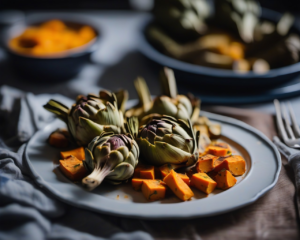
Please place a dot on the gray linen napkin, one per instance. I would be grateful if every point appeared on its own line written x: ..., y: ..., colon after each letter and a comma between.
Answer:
x: 26, y: 210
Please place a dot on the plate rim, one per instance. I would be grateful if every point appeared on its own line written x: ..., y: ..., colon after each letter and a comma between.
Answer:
x: 277, y: 159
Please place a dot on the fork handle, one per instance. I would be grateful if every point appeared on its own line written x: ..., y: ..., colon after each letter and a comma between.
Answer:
x: 295, y: 163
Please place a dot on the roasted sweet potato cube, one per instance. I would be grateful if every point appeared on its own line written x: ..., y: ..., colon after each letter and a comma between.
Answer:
x: 59, y: 140
x: 77, y: 152
x: 144, y: 172
x: 218, y: 151
x: 137, y: 183
x: 136, y: 173
x: 73, y: 168
x: 235, y: 164
x: 166, y: 168
x: 218, y: 161
x: 203, y: 182
x: 153, y: 190
x: 178, y: 186
x: 185, y: 178
x: 147, y: 173
x: 225, y: 179
x: 206, y: 163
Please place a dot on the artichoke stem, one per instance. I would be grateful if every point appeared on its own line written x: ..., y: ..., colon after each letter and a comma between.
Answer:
x: 95, y: 178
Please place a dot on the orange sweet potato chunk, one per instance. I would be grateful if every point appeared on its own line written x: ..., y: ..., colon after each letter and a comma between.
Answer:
x: 225, y: 179
x: 206, y: 163
x: 77, y: 152
x: 178, y: 186
x: 235, y: 164
x: 185, y: 178
x: 203, y: 182
x: 73, y: 168
x: 148, y: 173
x: 153, y: 190
x: 144, y: 172
x: 166, y: 168
x: 137, y: 183
x: 218, y: 151
x: 58, y: 140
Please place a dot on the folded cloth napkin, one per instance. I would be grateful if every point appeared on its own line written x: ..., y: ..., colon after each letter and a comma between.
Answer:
x: 29, y: 212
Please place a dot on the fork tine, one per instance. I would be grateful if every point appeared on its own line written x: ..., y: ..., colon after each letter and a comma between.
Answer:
x: 279, y: 120
x: 294, y: 122
x: 287, y: 122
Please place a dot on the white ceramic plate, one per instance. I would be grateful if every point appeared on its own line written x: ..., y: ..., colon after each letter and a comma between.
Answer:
x: 263, y: 167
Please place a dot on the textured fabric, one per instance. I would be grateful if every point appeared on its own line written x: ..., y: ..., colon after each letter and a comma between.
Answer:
x: 29, y: 212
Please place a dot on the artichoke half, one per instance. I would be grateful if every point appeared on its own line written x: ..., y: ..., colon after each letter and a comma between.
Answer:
x: 167, y: 140
x: 112, y: 157
x: 169, y: 103
x: 91, y: 115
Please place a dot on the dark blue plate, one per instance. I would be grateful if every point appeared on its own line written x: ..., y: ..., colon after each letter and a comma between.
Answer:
x: 202, y: 77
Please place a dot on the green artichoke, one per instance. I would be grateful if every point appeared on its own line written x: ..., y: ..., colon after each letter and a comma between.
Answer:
x: 91, y: 115
x: 182, y: 18
x: 167, y: 140
x: 241, y: 16
x: 169, y: 103
x: 112, y: 157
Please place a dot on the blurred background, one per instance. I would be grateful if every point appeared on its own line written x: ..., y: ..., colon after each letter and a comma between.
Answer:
x: 279, y: 5
x: 117, y: 60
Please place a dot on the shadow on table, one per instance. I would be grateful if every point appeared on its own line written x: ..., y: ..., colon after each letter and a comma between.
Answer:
x: 124, y: 72
x: 11, y: 77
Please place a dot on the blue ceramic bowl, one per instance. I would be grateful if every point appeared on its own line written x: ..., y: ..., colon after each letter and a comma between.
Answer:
x: 191, y: 74
x: 56, y: 67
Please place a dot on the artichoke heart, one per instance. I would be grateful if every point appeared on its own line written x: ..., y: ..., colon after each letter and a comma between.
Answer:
x: 91, y: 115
x: 112, y: 157
x: 165, y: 139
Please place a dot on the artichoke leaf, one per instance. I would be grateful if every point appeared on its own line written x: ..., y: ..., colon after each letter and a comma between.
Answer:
x: 109, y: 116
x: 161, y: 153
x: 59, y: 109
x: 122, y: 97
x: 86, y: 130
x: 182, y: 111
x: 114, y: 159
x: 163, y: 105
x: 178, y: 141
x: 124, y: 151
x: 135, y: 149
x: 181, y: 131
x: 168, y: 83
x: 131, y: 160
x: 121, y: 172
x: 186, y: 103
x: 101, y: 155
x: 89, y: 160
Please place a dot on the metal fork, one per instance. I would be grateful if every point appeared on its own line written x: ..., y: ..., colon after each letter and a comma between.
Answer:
x: 291, y: 142
x: 290, y: 135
